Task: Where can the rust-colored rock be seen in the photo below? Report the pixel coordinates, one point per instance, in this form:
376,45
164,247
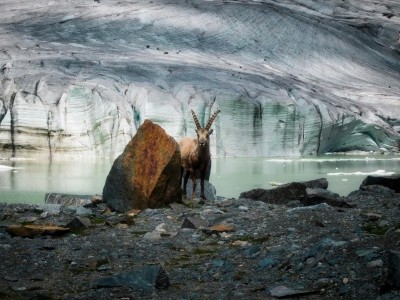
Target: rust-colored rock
221,228
147,173
31,231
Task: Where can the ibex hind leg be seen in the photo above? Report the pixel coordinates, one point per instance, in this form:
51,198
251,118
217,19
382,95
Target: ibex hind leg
180,180
194,183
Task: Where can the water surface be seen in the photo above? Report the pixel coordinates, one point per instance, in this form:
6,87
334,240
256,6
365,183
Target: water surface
27,181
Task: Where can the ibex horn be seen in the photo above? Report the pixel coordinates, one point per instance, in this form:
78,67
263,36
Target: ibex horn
212,119
196,121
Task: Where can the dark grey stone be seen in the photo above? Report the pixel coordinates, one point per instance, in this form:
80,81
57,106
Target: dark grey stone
379,189
285,193
79,222
284,292
394,268
145,279
194,222
391,182
318,195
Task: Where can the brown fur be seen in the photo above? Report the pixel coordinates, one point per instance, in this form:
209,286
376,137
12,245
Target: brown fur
195,155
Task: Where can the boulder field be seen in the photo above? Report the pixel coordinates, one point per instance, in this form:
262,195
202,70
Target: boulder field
76,247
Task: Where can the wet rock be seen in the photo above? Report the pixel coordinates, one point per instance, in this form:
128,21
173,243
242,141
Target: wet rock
145,279
391,182
147,173
285,193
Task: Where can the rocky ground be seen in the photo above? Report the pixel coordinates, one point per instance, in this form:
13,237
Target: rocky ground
222,249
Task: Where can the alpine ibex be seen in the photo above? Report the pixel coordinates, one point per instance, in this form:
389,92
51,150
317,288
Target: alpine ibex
196,155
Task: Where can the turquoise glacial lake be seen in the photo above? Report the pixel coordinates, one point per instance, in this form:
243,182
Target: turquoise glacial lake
27,181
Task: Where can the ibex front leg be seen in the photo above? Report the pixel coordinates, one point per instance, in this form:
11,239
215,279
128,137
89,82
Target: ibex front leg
203,175
194,183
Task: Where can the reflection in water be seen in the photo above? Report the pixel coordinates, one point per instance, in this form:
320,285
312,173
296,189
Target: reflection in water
29,181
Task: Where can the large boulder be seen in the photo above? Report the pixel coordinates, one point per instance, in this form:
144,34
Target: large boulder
285,193
310,192
391,182
147,173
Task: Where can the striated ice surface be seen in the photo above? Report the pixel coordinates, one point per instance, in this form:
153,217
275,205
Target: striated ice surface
291,77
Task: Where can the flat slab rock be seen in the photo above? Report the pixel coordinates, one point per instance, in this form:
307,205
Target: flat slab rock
36,230
286,292
145,279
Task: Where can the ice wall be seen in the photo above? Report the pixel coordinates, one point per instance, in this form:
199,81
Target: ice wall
77,78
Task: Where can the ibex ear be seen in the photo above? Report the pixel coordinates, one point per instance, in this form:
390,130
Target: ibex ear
210,132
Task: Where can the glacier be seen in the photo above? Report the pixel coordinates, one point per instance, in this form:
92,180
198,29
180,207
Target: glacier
291,78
